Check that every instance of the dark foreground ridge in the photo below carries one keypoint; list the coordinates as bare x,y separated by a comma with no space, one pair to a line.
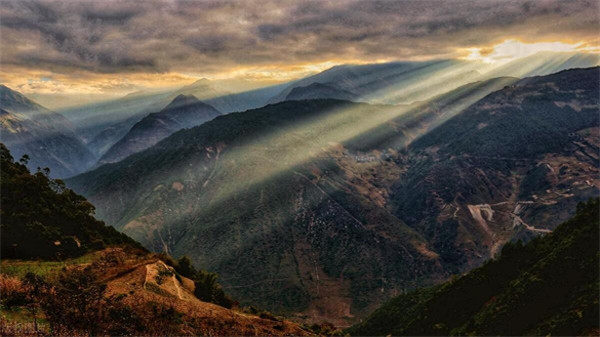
547,287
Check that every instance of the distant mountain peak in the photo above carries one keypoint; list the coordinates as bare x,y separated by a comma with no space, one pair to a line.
203,80
184,111
182,100
29,128
14,101
8,93
318,90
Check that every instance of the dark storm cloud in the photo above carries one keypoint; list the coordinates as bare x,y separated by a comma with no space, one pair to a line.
117,17
157,36
66,35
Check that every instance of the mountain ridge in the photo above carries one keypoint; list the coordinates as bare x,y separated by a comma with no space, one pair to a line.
319,90
47,136
184,111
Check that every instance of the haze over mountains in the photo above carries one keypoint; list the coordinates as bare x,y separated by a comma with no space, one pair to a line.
183,112
408,82
318,90
102,125
342,189
333,206
46,136
306,167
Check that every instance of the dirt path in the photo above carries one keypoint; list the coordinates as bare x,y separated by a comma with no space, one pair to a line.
517,220
128,270
175,281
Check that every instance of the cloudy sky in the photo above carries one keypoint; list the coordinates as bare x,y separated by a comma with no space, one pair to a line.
114,47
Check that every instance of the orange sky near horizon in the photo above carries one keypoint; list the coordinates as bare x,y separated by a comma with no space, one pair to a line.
109,49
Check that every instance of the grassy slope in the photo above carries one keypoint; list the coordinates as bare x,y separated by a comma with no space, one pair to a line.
141,281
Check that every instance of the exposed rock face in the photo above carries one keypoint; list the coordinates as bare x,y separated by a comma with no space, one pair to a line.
151,280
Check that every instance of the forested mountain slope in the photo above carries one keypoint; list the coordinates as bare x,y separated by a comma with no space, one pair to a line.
43,219
333,206
548,286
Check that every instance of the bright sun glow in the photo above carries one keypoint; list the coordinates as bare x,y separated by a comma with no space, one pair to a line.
513,49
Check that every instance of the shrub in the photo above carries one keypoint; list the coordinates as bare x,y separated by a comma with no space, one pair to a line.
206,287
12,292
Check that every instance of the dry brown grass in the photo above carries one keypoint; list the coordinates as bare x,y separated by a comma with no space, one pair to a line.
9,285
149,305
141,290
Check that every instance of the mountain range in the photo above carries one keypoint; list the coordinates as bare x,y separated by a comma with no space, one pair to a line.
103,124
342,189
79,138
384,81
183,112
46,136
408,82
334,207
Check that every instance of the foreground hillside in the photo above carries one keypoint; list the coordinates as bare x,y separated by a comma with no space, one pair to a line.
119,292
333,207
65,273
548,286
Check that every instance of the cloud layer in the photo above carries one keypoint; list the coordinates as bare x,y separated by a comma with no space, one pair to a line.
212,37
